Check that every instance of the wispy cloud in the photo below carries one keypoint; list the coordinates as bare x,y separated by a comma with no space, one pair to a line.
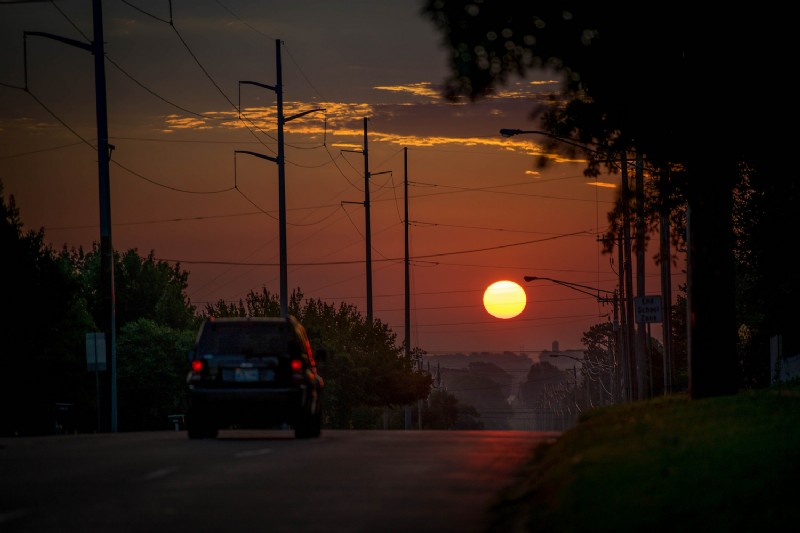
434,122
602,184
424,88
544,82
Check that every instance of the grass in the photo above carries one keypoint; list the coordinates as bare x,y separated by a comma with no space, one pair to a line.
668,464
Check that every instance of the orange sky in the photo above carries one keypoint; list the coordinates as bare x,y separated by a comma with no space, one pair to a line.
479,211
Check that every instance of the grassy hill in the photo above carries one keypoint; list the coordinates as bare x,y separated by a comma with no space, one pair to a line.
667,464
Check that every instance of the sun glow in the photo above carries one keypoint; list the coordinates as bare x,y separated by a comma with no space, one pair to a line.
504,299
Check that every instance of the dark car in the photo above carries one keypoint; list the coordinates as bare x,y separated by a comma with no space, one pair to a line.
253,373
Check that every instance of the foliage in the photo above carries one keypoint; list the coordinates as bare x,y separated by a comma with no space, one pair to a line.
541,376
549,393
443,410
672,53
477,388
44,320
151,374
766,279
602,369
144,287
493,372
679,346
52,302
673,464
643,81
601,344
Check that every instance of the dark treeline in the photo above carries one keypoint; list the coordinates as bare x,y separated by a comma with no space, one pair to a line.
51,300
695,96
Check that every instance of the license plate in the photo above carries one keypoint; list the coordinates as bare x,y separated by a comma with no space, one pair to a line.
246,374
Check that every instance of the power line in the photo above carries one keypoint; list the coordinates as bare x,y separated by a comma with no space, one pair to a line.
176,189
350,262
41,150
424,224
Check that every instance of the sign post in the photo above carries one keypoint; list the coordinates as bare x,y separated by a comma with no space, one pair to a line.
96,361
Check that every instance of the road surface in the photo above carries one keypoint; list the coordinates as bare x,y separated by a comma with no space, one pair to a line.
354,481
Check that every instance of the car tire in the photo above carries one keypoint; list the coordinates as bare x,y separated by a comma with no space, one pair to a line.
308,426
301,428
316,425
199,427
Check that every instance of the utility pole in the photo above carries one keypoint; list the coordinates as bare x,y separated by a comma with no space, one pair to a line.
407,275
284,298
642,357
666,281
627,266
622,334
367,227
103,156
408,289
280,160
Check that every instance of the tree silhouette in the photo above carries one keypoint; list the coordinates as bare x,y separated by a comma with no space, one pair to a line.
43,322
671,82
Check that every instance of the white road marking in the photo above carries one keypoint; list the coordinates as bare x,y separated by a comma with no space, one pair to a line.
164,472
253,453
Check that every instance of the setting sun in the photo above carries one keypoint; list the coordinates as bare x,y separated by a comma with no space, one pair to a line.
504,299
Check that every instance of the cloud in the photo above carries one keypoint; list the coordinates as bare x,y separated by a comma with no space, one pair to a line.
424,88
431,123
602,184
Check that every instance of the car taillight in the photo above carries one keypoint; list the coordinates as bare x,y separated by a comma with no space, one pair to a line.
297,370
197,366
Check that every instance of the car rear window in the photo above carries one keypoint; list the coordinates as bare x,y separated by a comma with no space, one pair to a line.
251,339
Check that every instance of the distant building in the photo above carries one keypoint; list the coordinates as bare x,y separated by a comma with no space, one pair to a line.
563,360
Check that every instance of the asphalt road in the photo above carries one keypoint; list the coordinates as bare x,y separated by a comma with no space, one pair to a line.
355,481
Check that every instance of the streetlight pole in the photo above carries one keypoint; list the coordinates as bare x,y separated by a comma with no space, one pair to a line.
577,287
625,263
509,132
595,293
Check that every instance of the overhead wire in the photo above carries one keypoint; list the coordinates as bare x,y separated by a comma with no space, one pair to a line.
346,262
74,132
393,188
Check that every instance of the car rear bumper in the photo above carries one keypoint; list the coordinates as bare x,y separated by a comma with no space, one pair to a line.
253,407
233,396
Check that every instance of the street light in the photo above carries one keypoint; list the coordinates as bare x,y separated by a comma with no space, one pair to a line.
576,286
585,289
635,361
510,132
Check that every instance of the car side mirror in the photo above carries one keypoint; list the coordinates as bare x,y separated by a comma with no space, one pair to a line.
190,355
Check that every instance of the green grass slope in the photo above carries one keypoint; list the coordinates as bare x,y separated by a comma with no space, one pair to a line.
667,464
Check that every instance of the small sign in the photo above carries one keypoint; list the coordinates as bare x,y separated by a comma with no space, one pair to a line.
96,351
648,309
